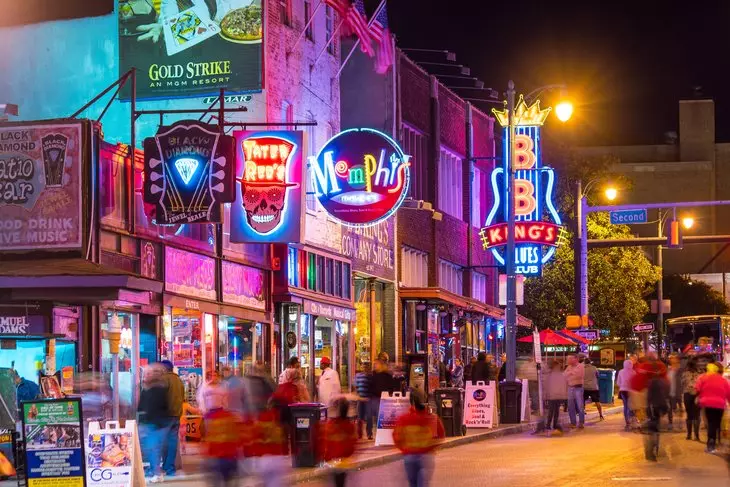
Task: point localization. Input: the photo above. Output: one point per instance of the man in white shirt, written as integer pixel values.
(329, 387)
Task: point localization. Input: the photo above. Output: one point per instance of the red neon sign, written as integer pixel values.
(543, 233)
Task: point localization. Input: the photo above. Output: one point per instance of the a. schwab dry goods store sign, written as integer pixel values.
(40, 186)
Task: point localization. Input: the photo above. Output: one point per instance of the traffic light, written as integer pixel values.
(674, 239)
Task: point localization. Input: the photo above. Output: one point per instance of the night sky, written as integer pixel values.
(626, 63)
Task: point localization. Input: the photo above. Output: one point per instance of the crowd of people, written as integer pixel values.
(651, 389)
(248, 422)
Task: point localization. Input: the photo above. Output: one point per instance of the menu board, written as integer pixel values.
(53, 432)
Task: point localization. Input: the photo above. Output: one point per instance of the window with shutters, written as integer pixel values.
(451, 277)
(414, 267)
(450, 184)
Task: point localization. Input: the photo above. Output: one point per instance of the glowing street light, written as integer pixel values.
(564, 110)
(688, 222)
(611, 193)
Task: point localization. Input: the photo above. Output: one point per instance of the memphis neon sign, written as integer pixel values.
(538, 225)
(360, 176)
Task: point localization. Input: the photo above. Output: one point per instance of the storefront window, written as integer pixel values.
(185, 349)
(361, 330)
(129, 380)
(342, 364)
(331, 339)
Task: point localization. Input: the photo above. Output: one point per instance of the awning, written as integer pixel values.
(468, 304)
(73, 281)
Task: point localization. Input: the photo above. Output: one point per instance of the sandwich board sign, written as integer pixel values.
(391, 408)
(479, 405)
(114, 456)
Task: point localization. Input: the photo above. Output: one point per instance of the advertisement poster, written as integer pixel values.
(191, 47)
(6, 445)
(244, 286)
(40, 187)
(269, 187)
(479, 405)
(113, 456)
(391, 408)
(371, 249)
(54, 443)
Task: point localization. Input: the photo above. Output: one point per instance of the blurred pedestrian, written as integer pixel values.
(469, 368)
(502, 375)
(624, 389)
(363, 386)
(328, 387)
(527, 369)
(175, 400)
(590, 386)
(575, 375)
(689, 395)
(657, 402)
(480, 372)
(221, 433)
(556, 393)
(444, 375)
(415, 435)
(382, 381)
(259, 387)
(645, 368)
(337, 439)
(213, 394)
(293, 363)
(713, 393)
(674, 376)
(457, 375)
(25, 390)
(493, 371)
(268, 442)
(153, 410)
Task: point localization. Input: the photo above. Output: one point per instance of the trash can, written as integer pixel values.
(450, 408)
(305, 418)
(605, 385)
(510, 402)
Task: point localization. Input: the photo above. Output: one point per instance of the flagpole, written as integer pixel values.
(334, 36)
(304, 31)
(357, 43)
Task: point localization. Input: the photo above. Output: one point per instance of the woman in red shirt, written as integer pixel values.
(415, 435)
(713, 392)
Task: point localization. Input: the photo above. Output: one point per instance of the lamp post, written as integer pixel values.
(511, 305)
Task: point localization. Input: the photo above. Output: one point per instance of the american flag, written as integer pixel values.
(383, 41)
(357, 20)
(340, 6)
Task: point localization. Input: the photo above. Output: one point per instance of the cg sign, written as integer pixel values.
(360, 176)
(537, 225)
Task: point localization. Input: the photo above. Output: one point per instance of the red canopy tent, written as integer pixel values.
(549, 337)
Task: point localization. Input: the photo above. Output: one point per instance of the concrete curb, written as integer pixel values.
(390, 457)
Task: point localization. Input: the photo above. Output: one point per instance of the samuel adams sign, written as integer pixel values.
(188, 170)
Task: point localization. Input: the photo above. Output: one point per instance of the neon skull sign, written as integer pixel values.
(269, 175)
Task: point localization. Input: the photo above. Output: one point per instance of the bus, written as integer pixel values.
(704, 334)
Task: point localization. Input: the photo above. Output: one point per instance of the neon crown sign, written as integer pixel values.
(360, 176)
(537, 226)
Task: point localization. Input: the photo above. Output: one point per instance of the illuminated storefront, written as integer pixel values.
(314, 305)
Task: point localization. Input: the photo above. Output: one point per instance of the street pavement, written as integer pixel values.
(600, 455)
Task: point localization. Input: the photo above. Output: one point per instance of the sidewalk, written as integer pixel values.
(368, 455)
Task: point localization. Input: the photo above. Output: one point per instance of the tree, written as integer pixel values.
(691, 297)
(619, 281)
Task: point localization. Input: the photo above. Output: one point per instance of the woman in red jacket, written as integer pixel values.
(713, 392)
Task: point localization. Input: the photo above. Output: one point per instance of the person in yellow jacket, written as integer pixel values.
(175, 399)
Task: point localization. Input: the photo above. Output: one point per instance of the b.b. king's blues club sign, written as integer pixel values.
(537, 223)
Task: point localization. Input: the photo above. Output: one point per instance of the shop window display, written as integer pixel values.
(183, 348)
(361, 330)
(241, 344)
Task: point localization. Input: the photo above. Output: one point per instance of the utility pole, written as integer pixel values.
(660, 290)
(511, 310)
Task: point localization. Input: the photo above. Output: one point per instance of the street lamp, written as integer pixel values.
(688, 222)
(564, 110)
(611, 193)
(509, 257)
